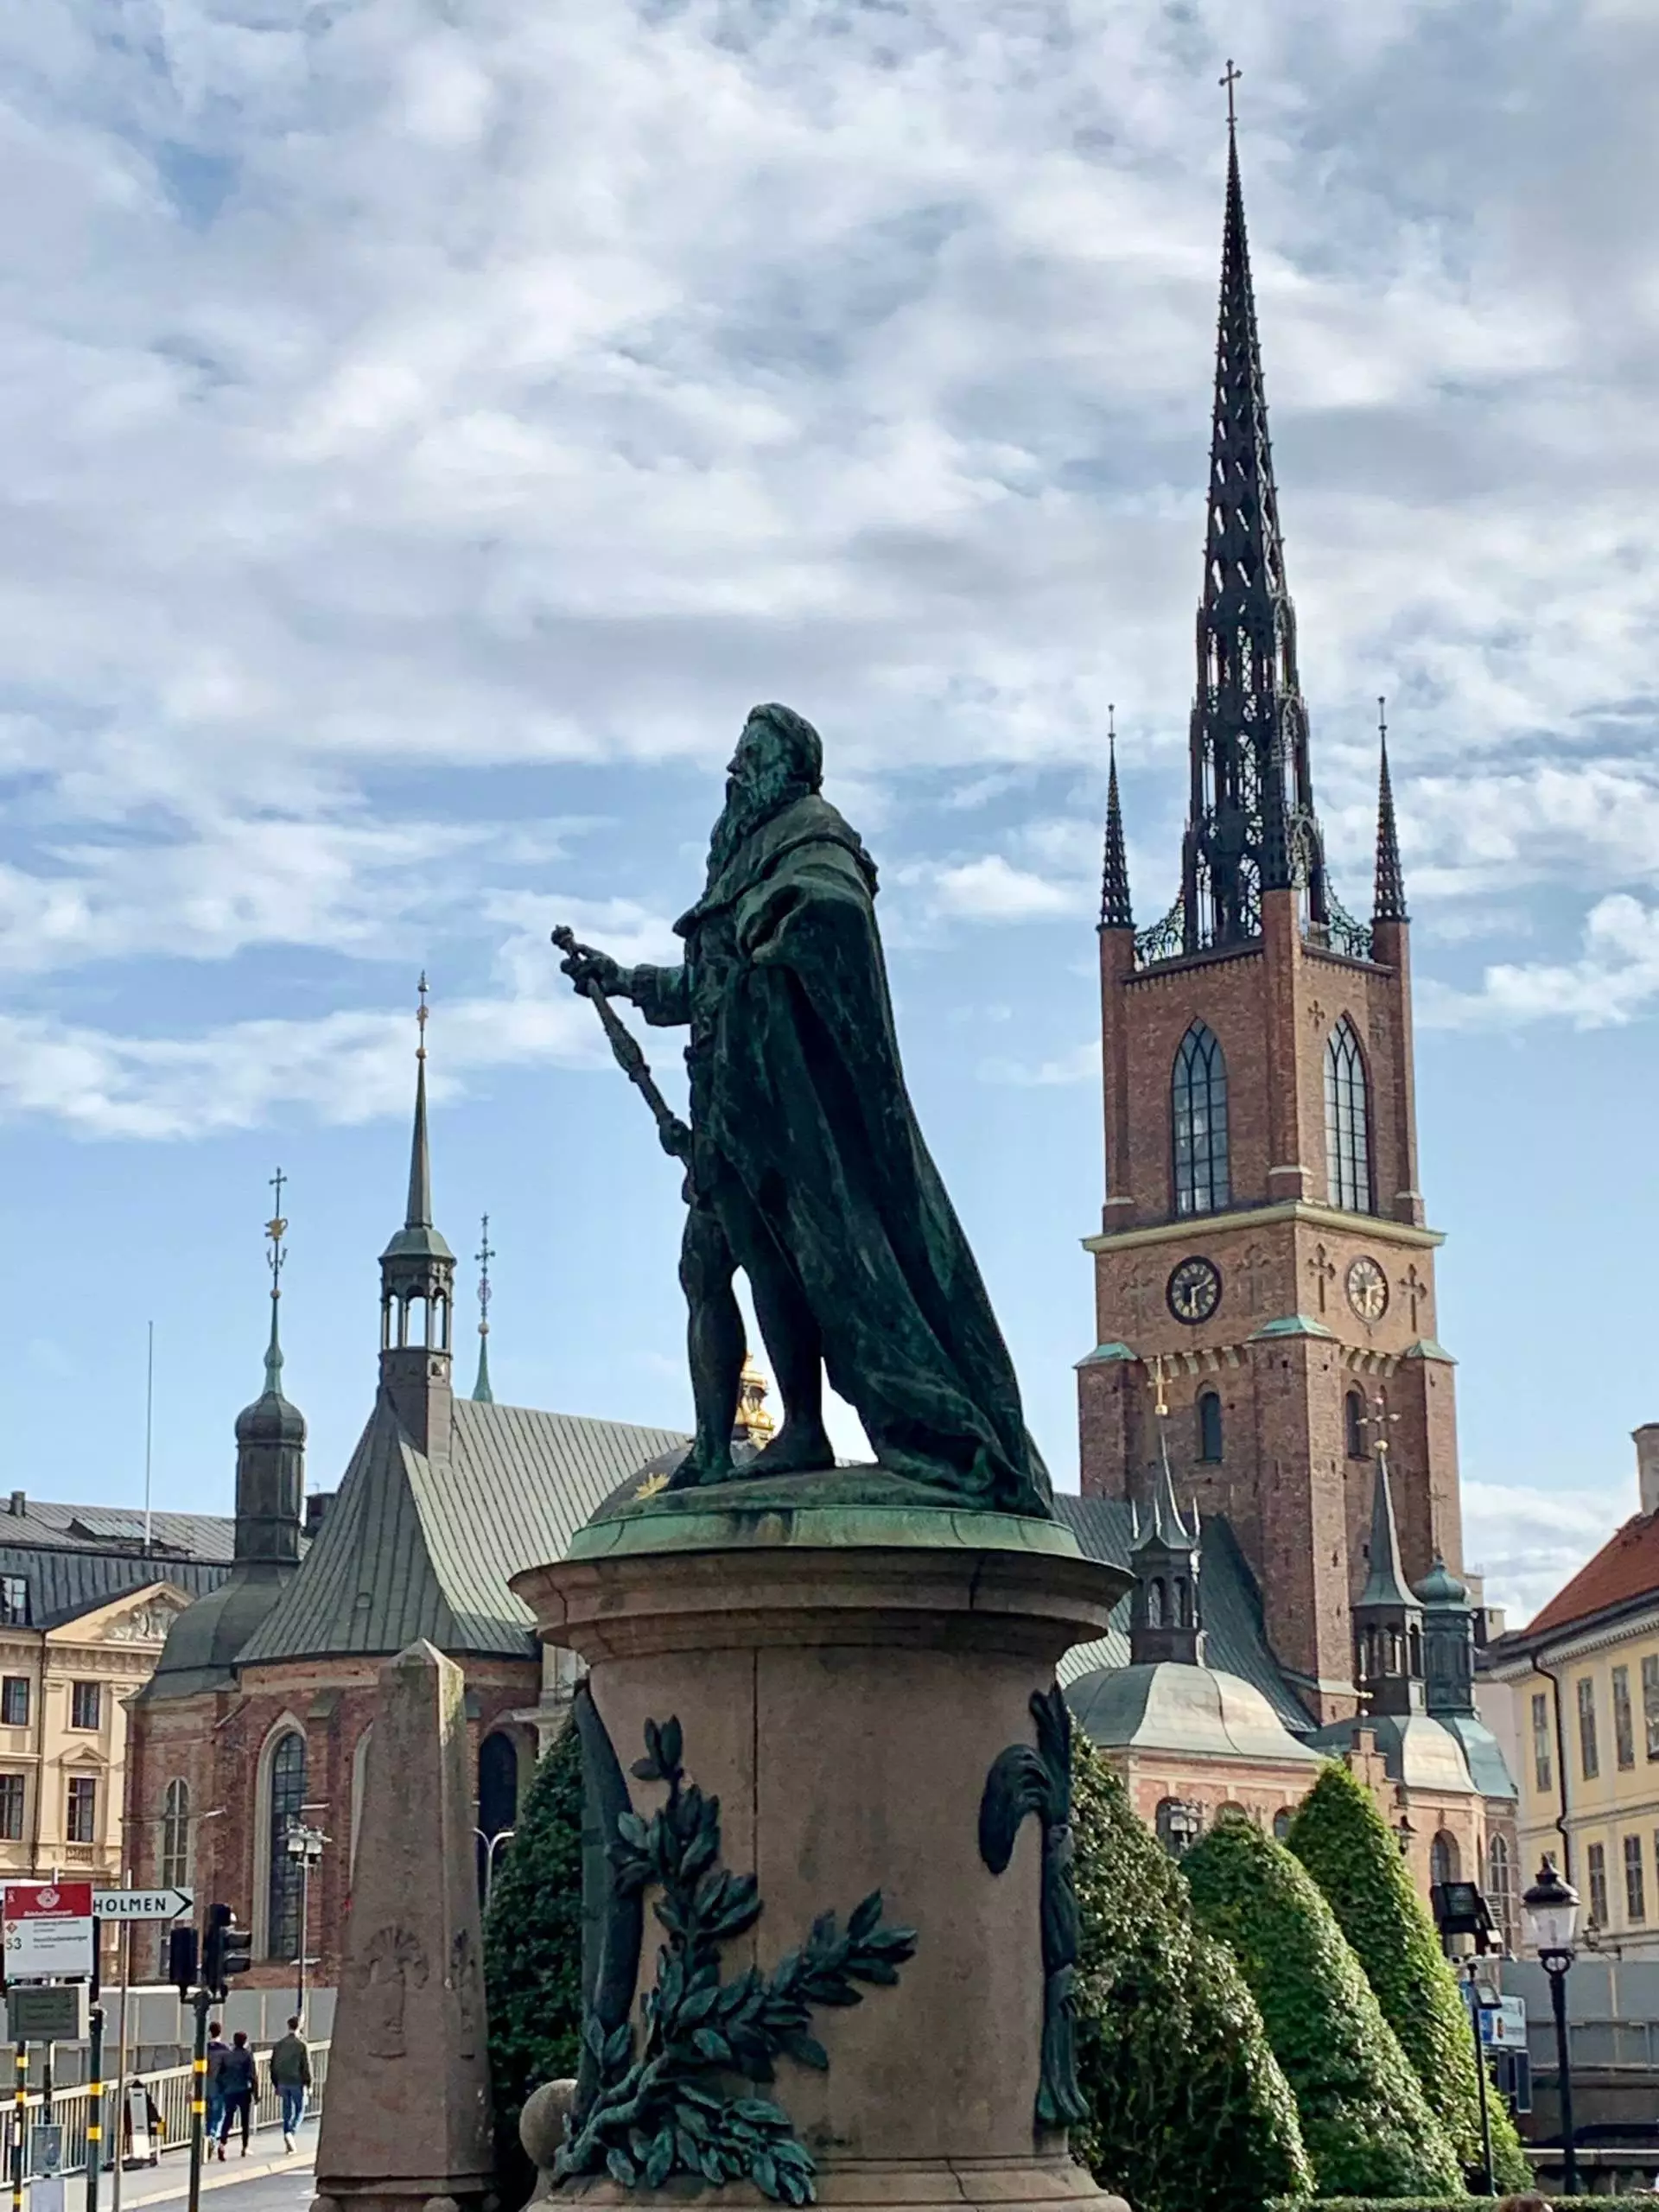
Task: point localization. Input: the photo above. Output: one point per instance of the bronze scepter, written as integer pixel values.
(676, 1137)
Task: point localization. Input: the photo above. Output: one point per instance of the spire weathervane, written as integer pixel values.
(1230, 79)
(482, 1393)
(275, 1229)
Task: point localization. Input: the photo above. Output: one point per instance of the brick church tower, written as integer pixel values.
(1263, 1244)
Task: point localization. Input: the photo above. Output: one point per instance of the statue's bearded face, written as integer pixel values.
(761, 777)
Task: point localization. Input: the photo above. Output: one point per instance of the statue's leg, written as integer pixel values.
(793, 1341)
(715, 1341)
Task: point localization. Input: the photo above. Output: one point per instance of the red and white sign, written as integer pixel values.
(48, 1929)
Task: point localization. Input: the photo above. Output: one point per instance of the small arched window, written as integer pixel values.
(1199, 1123)
(1281, 1822)
(1210, 1425)
(1443, 1857)
(1154, 1605)
(175, 1868)
(1176, 1825)
(1415, 1645)
(1347, 1122)
(1353, 1419)
(287, 1801)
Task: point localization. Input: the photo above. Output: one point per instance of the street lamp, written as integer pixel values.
(304, 1847)
(1461, 1910)
(1552, 1909)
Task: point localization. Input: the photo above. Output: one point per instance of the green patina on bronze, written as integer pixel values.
(805, 1165)
(848, 1506)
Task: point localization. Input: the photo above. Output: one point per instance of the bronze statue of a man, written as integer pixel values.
(806, 1167)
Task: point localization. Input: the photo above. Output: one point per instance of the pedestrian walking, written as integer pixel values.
(218, 2051)
(235, 2079)
(290, 2076)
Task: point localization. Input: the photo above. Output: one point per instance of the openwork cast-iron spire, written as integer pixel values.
(1115, 912)
(1250, 820)
(1390, 905)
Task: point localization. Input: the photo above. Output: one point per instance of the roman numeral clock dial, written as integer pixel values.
(1193, 1291)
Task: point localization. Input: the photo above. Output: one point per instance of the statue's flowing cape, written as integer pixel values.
(807, 1102)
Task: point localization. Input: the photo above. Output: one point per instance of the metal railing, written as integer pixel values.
(169, 2087)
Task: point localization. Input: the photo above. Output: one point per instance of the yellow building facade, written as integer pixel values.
(1582, 1678)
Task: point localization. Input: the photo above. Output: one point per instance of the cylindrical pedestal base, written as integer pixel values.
(847, 1706)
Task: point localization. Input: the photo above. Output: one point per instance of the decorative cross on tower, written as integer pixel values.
(1415, 1289)
(1228, 81)
(484, 1255)
(421, 1013)
(275, 1229)
(1380, 1422)
(1322, 1270)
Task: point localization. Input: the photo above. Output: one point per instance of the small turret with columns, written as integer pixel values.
(1387, 1618)
(417, 1293)
(1164, 1621)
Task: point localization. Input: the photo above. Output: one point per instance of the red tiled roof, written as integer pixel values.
(1626, 1567)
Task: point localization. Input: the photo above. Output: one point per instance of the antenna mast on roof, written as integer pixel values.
(150, 1422)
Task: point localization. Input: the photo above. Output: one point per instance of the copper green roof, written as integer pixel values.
(412, 1547)
(1235, 1637)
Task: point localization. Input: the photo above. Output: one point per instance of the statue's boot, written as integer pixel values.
(800, 1447)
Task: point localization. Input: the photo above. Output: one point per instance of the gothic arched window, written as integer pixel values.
(1443, 1857)
(1199, 1123)
(286, 1788)
(1347, 1122)
(1210, 1425)
(175, 1868)
(1353, 1417)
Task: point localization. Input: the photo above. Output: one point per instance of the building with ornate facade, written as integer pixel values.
(1264, 1273)
(87, 1597)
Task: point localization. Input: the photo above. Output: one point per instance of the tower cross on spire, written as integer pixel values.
(484, 1255)
(421, 1013)
(1228, 81)
(275, 1229)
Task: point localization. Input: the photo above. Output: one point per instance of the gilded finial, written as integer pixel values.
(275, 1231)
(422, 1011)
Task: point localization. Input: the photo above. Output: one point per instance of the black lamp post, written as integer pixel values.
(1461, 1910)
(1552, 1909)
(304, 1847)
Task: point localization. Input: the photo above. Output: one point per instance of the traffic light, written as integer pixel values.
(227, 1949)
(181, 1959)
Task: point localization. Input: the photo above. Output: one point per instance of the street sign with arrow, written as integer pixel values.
(142, 1904)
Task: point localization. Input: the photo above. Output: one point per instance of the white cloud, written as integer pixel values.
(990, 889)
(1615, 978)
(1528, 1543)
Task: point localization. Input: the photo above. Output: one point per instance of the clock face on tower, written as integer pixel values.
(1194, 1290)
(1368, 1289)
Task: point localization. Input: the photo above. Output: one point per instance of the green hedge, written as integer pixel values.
(1367, 2126)
(1346, 1845)
(1188, 2110)
(532, 1955)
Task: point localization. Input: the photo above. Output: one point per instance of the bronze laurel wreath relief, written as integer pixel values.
(1023, 1780)
(645, 2115)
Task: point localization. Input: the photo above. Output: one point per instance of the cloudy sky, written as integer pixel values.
(428, 426)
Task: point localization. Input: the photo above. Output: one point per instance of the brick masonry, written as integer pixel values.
(217, 1742)
(1299, 1503)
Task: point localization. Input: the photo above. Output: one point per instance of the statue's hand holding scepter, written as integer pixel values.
(598, 977)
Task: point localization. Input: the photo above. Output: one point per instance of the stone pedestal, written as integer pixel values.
(844, 1680)
(406, 2121)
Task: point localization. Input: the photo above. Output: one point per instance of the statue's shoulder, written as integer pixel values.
(810, 821)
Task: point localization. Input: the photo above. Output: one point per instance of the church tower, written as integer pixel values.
(1263, 1237)
(417, 1295)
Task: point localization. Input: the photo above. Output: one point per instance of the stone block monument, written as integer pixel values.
(406, 2121)
(826, 1953)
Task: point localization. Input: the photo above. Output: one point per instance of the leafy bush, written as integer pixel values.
(1188, 2110)
(532, 1955)
(1345, 1844)
(1365, 2122)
